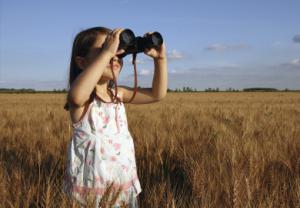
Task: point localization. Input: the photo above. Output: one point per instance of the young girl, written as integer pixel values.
(101, 150)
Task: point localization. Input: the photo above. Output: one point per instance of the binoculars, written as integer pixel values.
(134, 45)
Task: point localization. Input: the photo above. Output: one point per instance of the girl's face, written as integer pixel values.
(116, 63)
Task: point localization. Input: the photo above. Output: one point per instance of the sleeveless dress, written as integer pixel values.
(101, 151)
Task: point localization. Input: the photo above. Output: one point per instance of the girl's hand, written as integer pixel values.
(156, 54)
(112, 41)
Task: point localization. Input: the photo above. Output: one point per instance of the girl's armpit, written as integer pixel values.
(78, 114)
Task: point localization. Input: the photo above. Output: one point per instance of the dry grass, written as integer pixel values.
(192, 150)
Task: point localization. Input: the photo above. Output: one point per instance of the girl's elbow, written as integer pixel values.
(159, 98)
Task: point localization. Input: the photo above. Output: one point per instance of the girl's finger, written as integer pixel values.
(117, 31)
(120, 51)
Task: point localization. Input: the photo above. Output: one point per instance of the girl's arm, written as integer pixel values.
(159, 83)
(149, 95)
(86, 81)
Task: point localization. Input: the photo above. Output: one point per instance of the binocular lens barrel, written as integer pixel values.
(133, 45)
(127, 38)
(156, 39)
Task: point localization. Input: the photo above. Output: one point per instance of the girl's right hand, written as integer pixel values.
(112, 41)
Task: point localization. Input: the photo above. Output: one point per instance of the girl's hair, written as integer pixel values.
(82, 44)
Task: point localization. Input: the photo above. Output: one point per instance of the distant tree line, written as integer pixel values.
(183, 89)
(29, 90)
(230, 89)
(13, 90)
(259, 89)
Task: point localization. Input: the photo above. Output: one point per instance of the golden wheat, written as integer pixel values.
(192, 149)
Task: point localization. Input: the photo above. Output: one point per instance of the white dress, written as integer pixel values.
(101, 151)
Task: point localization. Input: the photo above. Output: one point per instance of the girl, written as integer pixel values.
(101, 150)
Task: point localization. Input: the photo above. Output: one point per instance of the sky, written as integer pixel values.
(210, 44)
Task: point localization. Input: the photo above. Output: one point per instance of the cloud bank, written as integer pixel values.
(175, 55)
(226, 47)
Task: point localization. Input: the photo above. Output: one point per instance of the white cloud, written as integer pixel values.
(293, 63)
(175, 55)
(174, 71)
(222, 75)
(138, 60)
(143, 59)
(226, 47)
(296, 38)
(143, 72)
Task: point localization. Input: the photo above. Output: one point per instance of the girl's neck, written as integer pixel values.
(101, 90)
(101, 87)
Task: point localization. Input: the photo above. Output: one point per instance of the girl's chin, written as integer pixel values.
(114, 67)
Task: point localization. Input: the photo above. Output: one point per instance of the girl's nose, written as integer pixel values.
(115, 58)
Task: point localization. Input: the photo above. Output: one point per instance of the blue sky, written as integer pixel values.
(223, 44)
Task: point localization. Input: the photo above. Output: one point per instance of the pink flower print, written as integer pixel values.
(100, 130)
(117, 146)
(110, 141)
(106, 120)
(81, 134)
(102, 150)
(113, 158)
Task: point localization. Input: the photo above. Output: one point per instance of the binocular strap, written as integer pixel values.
(135, 81)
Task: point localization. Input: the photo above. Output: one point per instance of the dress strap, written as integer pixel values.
(112, 91)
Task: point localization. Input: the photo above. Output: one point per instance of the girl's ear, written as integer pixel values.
(81, 62)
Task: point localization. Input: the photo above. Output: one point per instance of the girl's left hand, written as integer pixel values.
(156, 54)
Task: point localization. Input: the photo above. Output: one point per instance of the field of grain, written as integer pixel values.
(192, 149)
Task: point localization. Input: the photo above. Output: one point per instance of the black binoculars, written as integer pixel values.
(134, 45)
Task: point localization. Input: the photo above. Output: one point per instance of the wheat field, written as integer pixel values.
(225, 149)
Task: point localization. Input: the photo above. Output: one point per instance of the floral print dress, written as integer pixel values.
(101, 151)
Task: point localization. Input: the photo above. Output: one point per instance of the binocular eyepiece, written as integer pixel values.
(134, 45)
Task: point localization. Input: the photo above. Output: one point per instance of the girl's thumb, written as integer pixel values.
(120, 51)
